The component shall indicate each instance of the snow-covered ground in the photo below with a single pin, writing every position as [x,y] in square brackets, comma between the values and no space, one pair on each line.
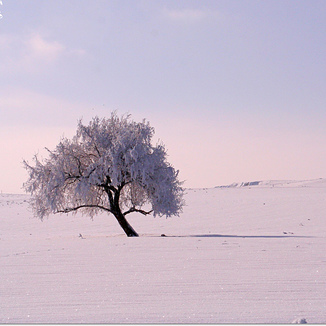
[238,254]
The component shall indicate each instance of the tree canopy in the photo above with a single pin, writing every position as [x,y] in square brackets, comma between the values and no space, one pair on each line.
[111,165]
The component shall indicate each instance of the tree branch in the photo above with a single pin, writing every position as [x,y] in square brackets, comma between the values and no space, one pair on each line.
[134,209]
[93,141]
[72,209]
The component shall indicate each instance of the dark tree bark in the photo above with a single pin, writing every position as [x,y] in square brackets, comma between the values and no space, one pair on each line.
[116,211]
[130,232]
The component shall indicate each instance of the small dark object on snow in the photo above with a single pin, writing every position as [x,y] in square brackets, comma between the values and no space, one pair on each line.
[163,235]
[300,321]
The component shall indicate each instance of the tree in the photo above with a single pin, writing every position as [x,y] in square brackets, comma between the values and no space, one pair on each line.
[109,165]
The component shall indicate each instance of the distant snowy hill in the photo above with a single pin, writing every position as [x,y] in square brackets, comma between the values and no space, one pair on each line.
[321,182]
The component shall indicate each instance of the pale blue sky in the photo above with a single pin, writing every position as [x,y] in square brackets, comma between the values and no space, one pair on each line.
[235,89]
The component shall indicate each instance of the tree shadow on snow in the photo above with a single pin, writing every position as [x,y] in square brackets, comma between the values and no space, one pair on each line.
[236,236]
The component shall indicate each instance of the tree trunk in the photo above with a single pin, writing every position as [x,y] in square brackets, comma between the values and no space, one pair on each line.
[130,232]
[116,211]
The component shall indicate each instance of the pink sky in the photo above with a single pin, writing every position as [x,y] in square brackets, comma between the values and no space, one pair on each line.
[234,89]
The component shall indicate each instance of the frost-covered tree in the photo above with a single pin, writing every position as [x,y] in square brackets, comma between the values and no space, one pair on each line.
[109,165]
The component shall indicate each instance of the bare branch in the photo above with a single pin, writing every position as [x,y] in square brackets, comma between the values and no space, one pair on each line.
[134,209]
[72,209]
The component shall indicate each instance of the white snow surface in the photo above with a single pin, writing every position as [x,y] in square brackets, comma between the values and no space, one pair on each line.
[253,254]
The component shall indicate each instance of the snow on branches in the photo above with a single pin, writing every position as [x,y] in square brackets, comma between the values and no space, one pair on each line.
[110,165]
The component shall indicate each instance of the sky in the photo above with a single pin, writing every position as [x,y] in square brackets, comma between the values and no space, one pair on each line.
[234,89]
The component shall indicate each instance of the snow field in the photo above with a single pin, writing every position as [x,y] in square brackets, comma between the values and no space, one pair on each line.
[236,255]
